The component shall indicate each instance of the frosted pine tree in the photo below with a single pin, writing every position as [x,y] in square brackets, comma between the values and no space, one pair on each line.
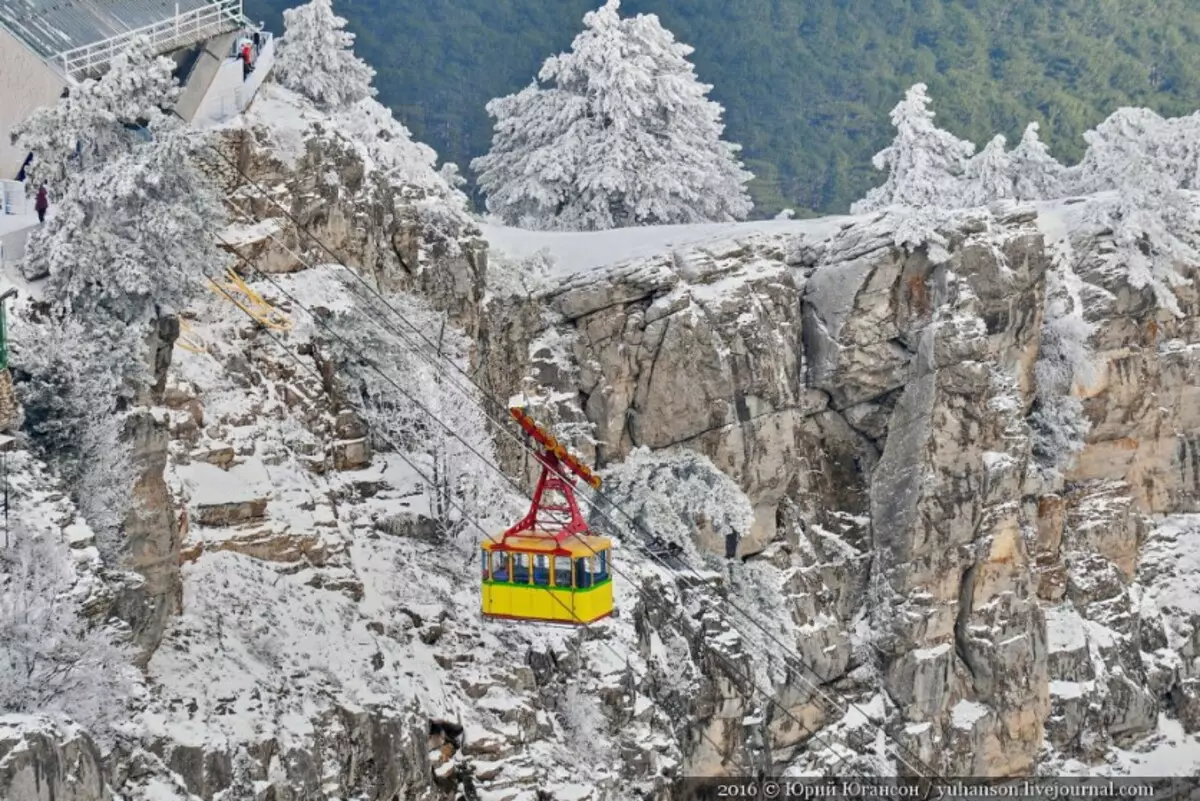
[989,176]
[622,134]
[1119,149]
[1154,226]
[924,163]
[1182,149]
[135,238]
[316,57]
[1039,176]
[95,122]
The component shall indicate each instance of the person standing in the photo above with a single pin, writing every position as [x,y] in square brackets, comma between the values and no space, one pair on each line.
[245,60]
[42,203]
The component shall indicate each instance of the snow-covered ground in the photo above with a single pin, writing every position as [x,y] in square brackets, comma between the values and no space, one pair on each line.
[575,252]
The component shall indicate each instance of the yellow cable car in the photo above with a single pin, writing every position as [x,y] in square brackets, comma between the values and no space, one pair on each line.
[548,567]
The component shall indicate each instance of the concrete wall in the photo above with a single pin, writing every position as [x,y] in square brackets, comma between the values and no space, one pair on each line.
[204,72]
[26,83]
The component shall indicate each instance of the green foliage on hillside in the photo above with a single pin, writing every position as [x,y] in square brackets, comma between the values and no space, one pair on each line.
[807,84]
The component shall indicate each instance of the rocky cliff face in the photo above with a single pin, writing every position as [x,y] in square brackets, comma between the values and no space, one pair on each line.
[871,401]
[306,627]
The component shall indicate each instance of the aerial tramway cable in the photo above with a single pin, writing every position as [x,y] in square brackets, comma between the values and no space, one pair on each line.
[841,755]
[841,704]
[817,692]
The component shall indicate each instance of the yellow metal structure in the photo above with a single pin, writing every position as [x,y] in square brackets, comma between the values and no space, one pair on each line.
[548,567]
[235,289]
[189,340]
[535,578]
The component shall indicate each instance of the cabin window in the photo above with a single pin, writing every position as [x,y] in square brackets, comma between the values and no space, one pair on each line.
[602,566]
[520,568]
[541,570]
[583,576]
[486,559]
[500,567]
[562,571]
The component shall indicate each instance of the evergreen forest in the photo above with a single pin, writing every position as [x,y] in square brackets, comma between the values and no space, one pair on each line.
[807,84]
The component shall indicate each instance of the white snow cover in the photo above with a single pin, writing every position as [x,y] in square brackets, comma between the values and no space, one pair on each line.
[1064,629]
[1172,551]
[576,252]
[966,713]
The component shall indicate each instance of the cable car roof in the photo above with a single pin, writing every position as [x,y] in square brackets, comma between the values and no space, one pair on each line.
[576,545]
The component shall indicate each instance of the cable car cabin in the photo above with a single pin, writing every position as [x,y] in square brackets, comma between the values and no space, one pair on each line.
[535,578]
[549,567]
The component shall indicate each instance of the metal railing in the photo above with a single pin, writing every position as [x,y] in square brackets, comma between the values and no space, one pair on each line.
[183,29]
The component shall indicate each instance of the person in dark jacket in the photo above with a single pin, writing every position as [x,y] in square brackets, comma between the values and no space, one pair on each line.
[42,203]
[21,176]
[257,43]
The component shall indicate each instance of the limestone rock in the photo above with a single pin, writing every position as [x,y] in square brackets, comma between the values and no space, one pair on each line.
[44,761]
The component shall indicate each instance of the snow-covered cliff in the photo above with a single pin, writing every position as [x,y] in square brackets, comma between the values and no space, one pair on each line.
[851,404]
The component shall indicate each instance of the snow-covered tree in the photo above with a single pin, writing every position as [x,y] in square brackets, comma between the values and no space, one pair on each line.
[460,484]
[134,239]
[316,57]
[1119,149]
[387,146]
[924,163]
[94,123]
[1065,361]
[1181,146]
[675,495]
[52,660]
[1154,225]
[989,176]
[71,376]
[1039,176]
[241,781]
[623,135]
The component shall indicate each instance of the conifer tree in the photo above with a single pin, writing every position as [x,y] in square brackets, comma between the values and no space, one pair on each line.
[96,120]
[990,175]
[924,163]
[134,239]
[316,57]
[1039,176]
[622,134]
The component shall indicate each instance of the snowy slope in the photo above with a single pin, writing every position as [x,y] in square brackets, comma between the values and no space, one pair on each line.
[576,252]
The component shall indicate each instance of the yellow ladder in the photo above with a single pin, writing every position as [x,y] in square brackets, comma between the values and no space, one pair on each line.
[189,340]
[235,289]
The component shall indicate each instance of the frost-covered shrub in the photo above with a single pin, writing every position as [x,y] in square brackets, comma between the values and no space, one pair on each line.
[1060,429]
[388,146]
[1065,359]
[241,780]
[507,276]
[70,376]
[583,720]
[461,486]
[95,122]
[134,239]
[52,660]
[670,494]
[623,135]
[316,57]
